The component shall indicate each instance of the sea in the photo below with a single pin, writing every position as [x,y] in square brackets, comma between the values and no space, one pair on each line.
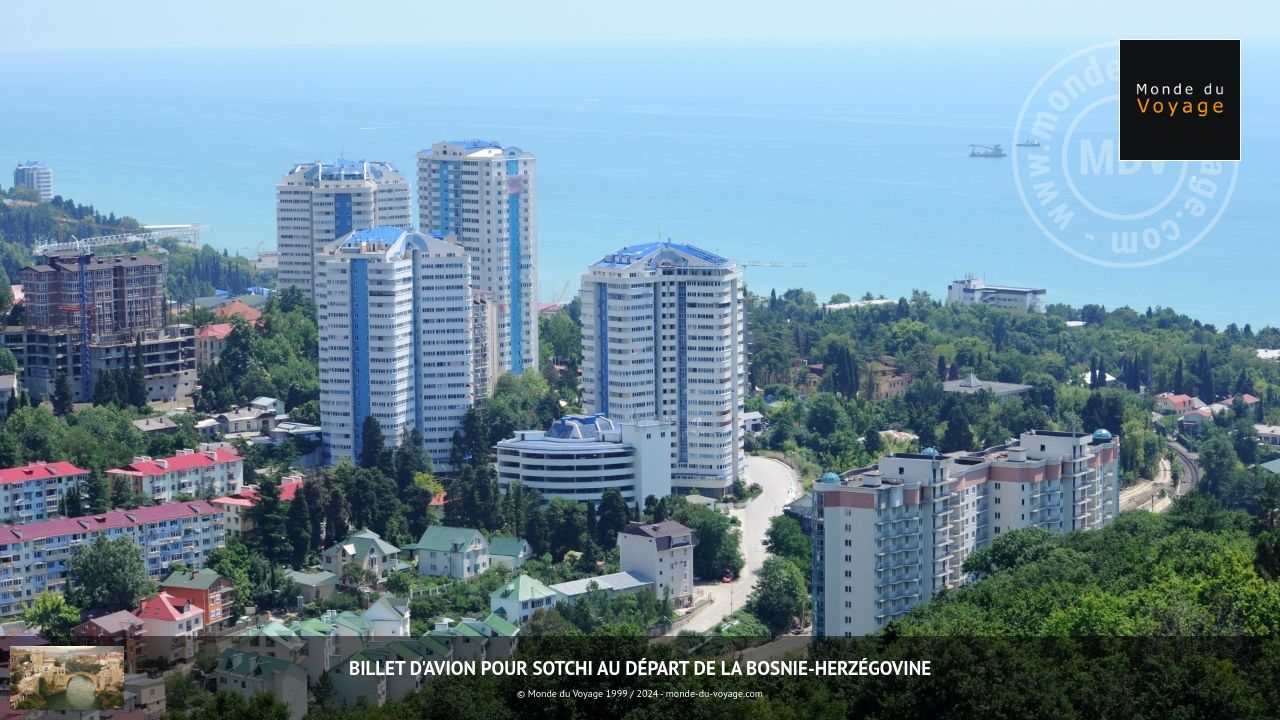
[836,166]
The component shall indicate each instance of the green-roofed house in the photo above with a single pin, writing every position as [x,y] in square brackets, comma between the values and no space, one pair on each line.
[508,552]
[366,549]
[274,639]
[248,674]
[314,584]
[321,640]
[350,623]
[471,639]
[503,636]
[459,553]
[377,690]
[350,689]
[520,598]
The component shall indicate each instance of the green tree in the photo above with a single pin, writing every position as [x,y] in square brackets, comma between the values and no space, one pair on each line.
[786,539]
[107,575]
[98,493]
[780,594]
[62,395]
[410,459]
[299,529]
[30,434]
[613,517]
[1011,550]
[269,534]
[53,615]
[8,363]
[137,377]
[1267,555]
[373,447]
[958,435]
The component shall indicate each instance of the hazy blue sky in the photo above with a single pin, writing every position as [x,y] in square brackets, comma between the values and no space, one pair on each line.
[57,24]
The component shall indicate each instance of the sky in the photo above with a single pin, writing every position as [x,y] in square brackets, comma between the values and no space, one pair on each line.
[144,24]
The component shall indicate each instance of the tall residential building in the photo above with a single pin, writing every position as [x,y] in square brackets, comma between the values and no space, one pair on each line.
[317,203]
[888,537]
[485,195]
[85,314]
[663,339]
[581,456]
[34,175]
[119,293]
[395,320]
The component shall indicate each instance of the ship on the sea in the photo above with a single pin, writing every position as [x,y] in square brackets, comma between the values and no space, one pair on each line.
[1029,143]
[986,151]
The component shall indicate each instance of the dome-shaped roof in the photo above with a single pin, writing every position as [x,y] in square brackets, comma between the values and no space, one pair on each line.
[1101,434]
[930,451]
[831,478]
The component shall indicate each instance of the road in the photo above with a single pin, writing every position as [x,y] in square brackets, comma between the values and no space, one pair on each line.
[780,486]
[1146,494]
[1190,466]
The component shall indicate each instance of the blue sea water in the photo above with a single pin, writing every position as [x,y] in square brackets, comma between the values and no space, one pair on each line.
[849,157]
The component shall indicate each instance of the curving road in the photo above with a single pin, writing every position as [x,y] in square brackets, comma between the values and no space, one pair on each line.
[780,486]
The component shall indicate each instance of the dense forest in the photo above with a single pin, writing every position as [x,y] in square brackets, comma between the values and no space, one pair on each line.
[192,272]
[816,369]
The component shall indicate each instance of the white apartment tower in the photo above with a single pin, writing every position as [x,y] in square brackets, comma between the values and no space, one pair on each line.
[663,338]
[34,175]
[485,195]
[394,309]
[888,537]
[317,203]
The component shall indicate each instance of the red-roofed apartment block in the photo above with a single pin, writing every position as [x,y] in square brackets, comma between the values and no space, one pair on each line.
[203,473]
[33,557]
[31,493]
[236,506]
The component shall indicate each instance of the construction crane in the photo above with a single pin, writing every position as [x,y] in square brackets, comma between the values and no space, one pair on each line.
[189,234]
[82,252]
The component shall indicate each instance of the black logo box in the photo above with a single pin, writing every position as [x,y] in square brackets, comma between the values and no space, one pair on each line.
[1187,68]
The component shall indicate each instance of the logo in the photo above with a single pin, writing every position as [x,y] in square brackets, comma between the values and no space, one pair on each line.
[1107,211]
[1180,99]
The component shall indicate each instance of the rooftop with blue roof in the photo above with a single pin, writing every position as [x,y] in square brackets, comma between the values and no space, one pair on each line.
[630,254]
[383,234]
[343,169]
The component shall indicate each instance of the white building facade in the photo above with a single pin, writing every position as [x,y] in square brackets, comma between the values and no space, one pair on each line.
[317,203]
[888,537]
[660,553]
[34,175]
[394,309]
[975,291]
[581,456]
[663,338]
[33,557]
[31,493]
[207,473]
[486,195]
